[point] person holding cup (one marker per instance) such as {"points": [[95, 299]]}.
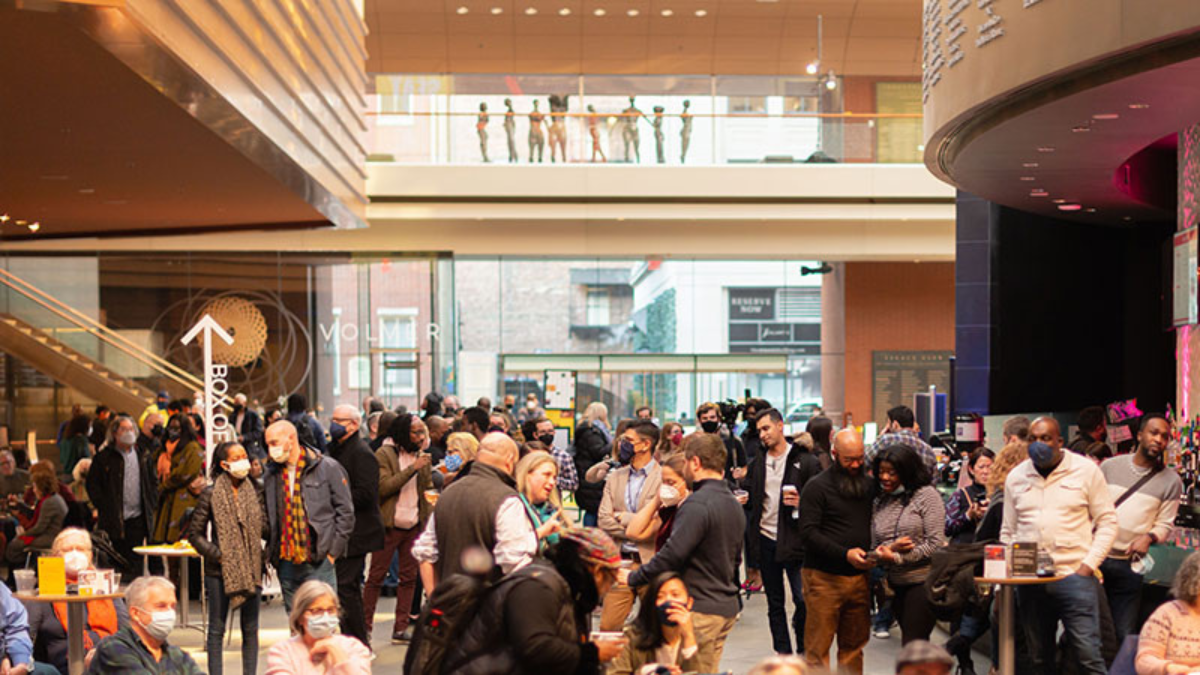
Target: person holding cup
{"points": [[662, 634], [775, 479]]}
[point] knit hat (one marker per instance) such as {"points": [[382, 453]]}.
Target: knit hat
{"points": [[923, 651], [595, 546]]}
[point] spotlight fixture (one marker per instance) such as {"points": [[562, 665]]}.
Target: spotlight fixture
{"points": [[600, 11], [1138, 106], [565, 11], [1070, 207], [22, 223], [1059, 201], [3, 217], [462, 10], [668, 12], [831, 80], [530, 11], [1106, 116], [35, 226], [825, 268], [497, 10], [1038, 192], [1081, 129], [812, 68], [632, 12], [702, 13], [1090, 209]]}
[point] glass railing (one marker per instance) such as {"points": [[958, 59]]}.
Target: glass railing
{"points": [[646, 136]]}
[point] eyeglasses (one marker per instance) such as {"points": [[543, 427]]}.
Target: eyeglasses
{"points": [[321, 611]]}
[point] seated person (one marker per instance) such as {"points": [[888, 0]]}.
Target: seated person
{"points": [[662, 634], [1168, 643], [316, 646], [921, 657], [780, 665], [47, 622], [42, 522], [141, 646], [13, 481], [15, 645]]}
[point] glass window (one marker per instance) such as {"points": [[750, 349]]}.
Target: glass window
{"points": [[598, 307], [747, 104]]}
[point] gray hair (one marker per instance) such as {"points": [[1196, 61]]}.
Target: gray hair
{"points": [[775, 664], [1187, 580], [373, 420], [68, 533], [5, 452], [139, 590], [351, 412], [110, 438], [308, 593]]}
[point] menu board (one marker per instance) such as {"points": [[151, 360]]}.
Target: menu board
{"points": [[896, 376], [560, 390]]}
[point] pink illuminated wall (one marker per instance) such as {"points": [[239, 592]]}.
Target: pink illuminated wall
{"points": [[1187, 339]]}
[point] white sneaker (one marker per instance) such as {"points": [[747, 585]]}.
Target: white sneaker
{"points": [[882, 634]]}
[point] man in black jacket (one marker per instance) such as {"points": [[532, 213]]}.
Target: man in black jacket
{"points": [[835, 527], [249, 428], [591, 447], [352, 452], [121, 486], [776, 478], [705, 548]]}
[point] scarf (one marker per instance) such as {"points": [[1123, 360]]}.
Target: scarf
{"points": [[101, 620], [294, 542], [37, 513], [407, 510], [164, 460], [238, 522]]}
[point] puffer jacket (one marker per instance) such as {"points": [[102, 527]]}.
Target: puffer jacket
{"points": [[526, 625], [590, 448]]}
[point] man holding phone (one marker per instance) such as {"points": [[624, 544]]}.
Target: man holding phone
{"points": [[776, 477]]}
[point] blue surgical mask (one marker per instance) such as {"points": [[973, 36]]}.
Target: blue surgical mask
{"points": [[625, 451], [1041, 454], [336, 431], [453, 462]]}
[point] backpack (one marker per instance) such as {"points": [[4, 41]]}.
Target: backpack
{"points": [[950, 586], [448, 611]]}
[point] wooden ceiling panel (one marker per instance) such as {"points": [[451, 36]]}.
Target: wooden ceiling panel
{"points": [[619, 25], [747, 26], [411, 23], [885, 28], [549, 48], [614, 47], [745, 67], [562, 65], [617, 66]]}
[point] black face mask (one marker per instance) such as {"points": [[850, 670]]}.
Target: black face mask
{"points": [[710, 427], [172, 434], [547, 440], [496, 427], [662, 614], [156, 431]]}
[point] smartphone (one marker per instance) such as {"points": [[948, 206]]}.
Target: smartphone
{"points": [[872, 557]]}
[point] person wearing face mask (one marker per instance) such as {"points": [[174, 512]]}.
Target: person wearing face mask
{"points": [[592, 442], [48, 621], [662, 634], [568, 479], [669, 440], [142, 647], [315, 647], [309, 510], [532, 409], [656, 518], [348, 447], [777, 475], [709, 417], [404, 474], [150, 436], [232, 509], [461, 449], [908, 524], [1061, 501], [124, 492], [248, 426], [626, 491], [178, 465]]}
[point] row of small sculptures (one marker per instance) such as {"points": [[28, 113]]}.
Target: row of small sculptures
{"points": [[558, 131]]}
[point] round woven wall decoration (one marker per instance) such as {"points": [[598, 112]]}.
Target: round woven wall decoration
{"points": [[244, 323]]}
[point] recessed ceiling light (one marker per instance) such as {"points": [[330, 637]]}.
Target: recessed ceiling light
{"points": [[668, 12], [1028, 178], [3, 217], [632, 12], [1059, 201], [1038, 192], [1070, 207], [1030, 165], [1106, 116], [1138, 106], [462, 10], [22, 222], [1082, 128], [1090, 209], [34, 227], [600, 11], [1127, 218], [1046, 148], [565, 11], [56, 177], [497, 10], [702, 12], [87, 191], [530, 11]]}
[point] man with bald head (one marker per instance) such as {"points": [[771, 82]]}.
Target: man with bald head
{"points": [[248, 425], [309, 509], [481, 510], [439, 428], [1060, 501], [350, 449], [835, 527]]}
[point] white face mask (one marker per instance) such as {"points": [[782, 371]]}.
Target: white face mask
{"points": [[160, 624], [239, 468], [278, 453], [127, 438], [322, 626], [75, 562], [668, 495]]}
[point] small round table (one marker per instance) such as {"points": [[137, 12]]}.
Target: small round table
{"points": [[75, 650], [184, 591], [1007, 650]]}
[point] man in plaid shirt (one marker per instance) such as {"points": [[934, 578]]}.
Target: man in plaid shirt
{"points": [[902, 430], [568, 477]]}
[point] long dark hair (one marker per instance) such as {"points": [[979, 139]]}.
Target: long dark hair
{"points": [[77, 426], [907, 464], [221, 454], [647, 626], [566, 558], [187, 432], [400, 431], [821, 429]]}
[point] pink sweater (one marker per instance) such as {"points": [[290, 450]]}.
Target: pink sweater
{"points": [[1171, 636], [290, 657]]}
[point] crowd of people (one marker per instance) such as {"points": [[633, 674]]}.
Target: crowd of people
{"points": [[629, 549]]}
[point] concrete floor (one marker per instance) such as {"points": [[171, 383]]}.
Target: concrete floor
{"points": [[749, 642]]}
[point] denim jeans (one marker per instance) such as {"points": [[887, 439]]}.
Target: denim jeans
{"points": [[292, 576], [882, 618], [218, 608], [1074, 601], [773, 574], [1124, 589]]}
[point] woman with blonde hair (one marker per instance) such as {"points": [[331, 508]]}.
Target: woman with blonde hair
{"points": [[537, 475], [461, 449], [593, 443]]}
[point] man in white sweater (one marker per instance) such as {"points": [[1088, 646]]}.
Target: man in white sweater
{"points": [[1147, 499], [1060, 500]]}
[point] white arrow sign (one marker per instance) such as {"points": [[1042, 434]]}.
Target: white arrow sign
{"points": [[210, 327]]}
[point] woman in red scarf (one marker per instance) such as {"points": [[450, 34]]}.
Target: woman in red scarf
{"points": [[47, 622], [42, 522]]}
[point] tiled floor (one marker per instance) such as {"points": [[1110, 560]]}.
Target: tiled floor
{"points": [[749, 642]]}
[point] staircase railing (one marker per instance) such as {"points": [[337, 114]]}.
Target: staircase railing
{"points": [[103, 333]]}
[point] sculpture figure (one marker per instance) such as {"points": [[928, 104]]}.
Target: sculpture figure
{"points": [[657, 123], [558, 126], [537, 138], [685, 134], [481, 123], [629, 133], [594, 130], [510, 130]]}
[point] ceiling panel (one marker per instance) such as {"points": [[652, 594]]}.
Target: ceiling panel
{"points": [[861, 37]]}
